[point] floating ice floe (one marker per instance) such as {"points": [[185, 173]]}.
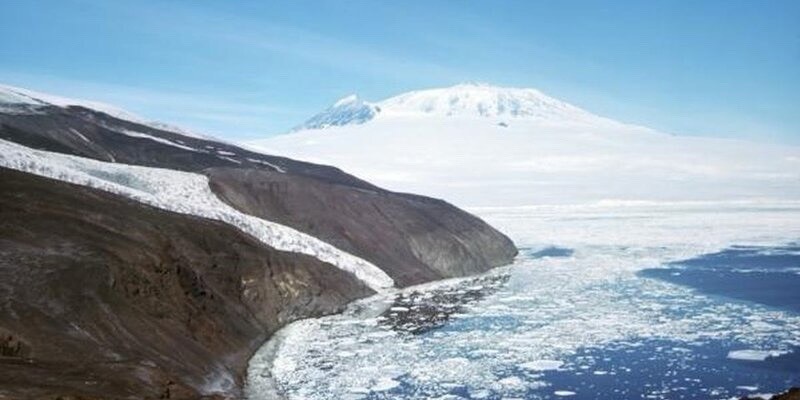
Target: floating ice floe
{"points": [[564, 393], [755, 355], [542, 365]]}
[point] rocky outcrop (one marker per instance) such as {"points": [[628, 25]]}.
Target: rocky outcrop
{"points": [[103, 297], [414, 239], [791, 394]]}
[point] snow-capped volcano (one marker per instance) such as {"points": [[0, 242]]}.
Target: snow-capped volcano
{"points": [[469, 100], [479, 145]]}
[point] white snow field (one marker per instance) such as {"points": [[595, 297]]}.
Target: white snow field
{"points": [[552, 308], [185, 193], [480, 145]]}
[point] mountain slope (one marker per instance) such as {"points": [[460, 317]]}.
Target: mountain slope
{"points": [[479, 145], [347, 111], [104, 297], [414, 239], [184, 193]]}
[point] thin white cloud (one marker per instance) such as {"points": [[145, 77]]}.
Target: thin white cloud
{"points": [[273, 37]]}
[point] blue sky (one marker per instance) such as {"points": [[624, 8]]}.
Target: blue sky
{"points": [[248, 69]]}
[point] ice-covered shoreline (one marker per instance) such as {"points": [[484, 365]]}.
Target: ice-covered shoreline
{"points": [[261, 383], [609, 245]]}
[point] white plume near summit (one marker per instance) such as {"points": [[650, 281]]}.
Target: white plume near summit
{"points": [[479, 145]]}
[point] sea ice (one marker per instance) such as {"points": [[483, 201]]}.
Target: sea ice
{"points": [[542, 365], [564, 393], [552, 307], [754, 355]]}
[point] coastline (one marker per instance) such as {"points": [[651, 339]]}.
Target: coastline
{"points": [[262, 361], [285, 370], [265, 357], [259, 379]]}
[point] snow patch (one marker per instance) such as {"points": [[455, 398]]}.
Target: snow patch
{"points": [[267, 163], [141, 135], [80, 135], [233, 160]]}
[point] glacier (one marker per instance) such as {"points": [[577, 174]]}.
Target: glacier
{"points": [[185, 193]]}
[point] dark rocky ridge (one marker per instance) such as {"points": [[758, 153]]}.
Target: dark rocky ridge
{"points": [[414, 238], [103, 297], [63, 130], [418, 312]]}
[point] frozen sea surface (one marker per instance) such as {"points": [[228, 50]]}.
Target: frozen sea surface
{"points": [[574, 317]]}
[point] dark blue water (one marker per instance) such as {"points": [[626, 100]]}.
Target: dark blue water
{"points": [[765, 275], [661, 369], [668, 370], [647, 370]]}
